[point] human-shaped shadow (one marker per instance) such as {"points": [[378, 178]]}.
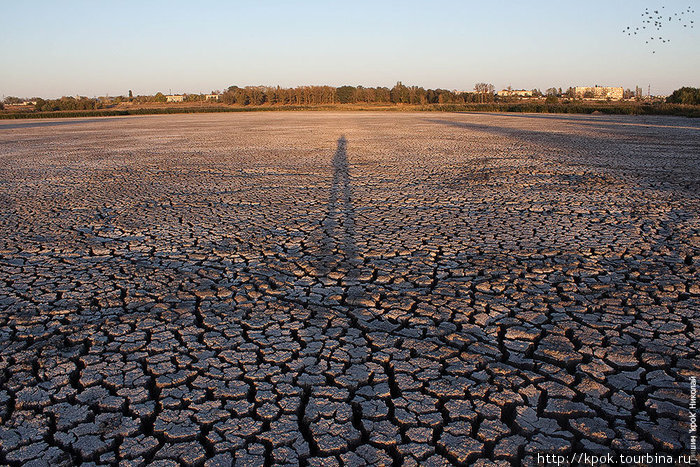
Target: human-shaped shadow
{"points": [[338, 246]]}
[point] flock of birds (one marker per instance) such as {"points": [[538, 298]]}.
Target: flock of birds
{"points": [[658, 19]]}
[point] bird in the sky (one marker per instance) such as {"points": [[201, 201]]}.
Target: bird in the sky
{"points": [[658, 19]]}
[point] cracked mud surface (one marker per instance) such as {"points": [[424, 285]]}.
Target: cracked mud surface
{"points": [[346, 289]]}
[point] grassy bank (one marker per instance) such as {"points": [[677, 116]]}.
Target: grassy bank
{"points": [[529, 107]]}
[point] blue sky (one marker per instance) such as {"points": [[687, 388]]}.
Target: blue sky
{"points": [[50, 48]]}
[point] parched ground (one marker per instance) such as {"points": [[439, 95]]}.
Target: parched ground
{"points": [[346, 288]]}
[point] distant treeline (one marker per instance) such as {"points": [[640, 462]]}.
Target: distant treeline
{"points": [[320, 95], [67, 103], [267, 95], [683, 101], [632, 108]]}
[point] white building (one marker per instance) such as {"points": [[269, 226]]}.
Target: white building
{"points": [[514, 92], [599, 92]]}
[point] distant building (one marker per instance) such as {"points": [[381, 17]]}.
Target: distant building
{"points": [[212, 97], [599, 92], [175, 98], [514, 93]]}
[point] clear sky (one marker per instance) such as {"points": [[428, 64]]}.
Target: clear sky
{"points": [[52, 48]]}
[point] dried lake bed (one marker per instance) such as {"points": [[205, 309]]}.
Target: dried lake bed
{"points": [[347, 288]]}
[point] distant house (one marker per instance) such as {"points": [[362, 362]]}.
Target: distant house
{"points": [[514, 93], [175, 98], [212, 97], [599, 92]]}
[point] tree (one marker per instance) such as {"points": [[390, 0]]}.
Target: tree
{"points": [[131, 94], [256, 95], [552, 92], [485, 91], [229, 96], [242, 97], [685, 95], [345, 94], [10, 100], [160, 97], [444, 97], [400, 94]]}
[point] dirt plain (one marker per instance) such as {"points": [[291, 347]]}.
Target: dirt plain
{"points": [[346, 288]]}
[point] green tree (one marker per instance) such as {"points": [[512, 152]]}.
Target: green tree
{"points": [[256, 95], [229, 96], [400, 94], [242, 97], [67, 103], [345, 94], [41, 104], [685, 95], [444, 96], [159, 97]]}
